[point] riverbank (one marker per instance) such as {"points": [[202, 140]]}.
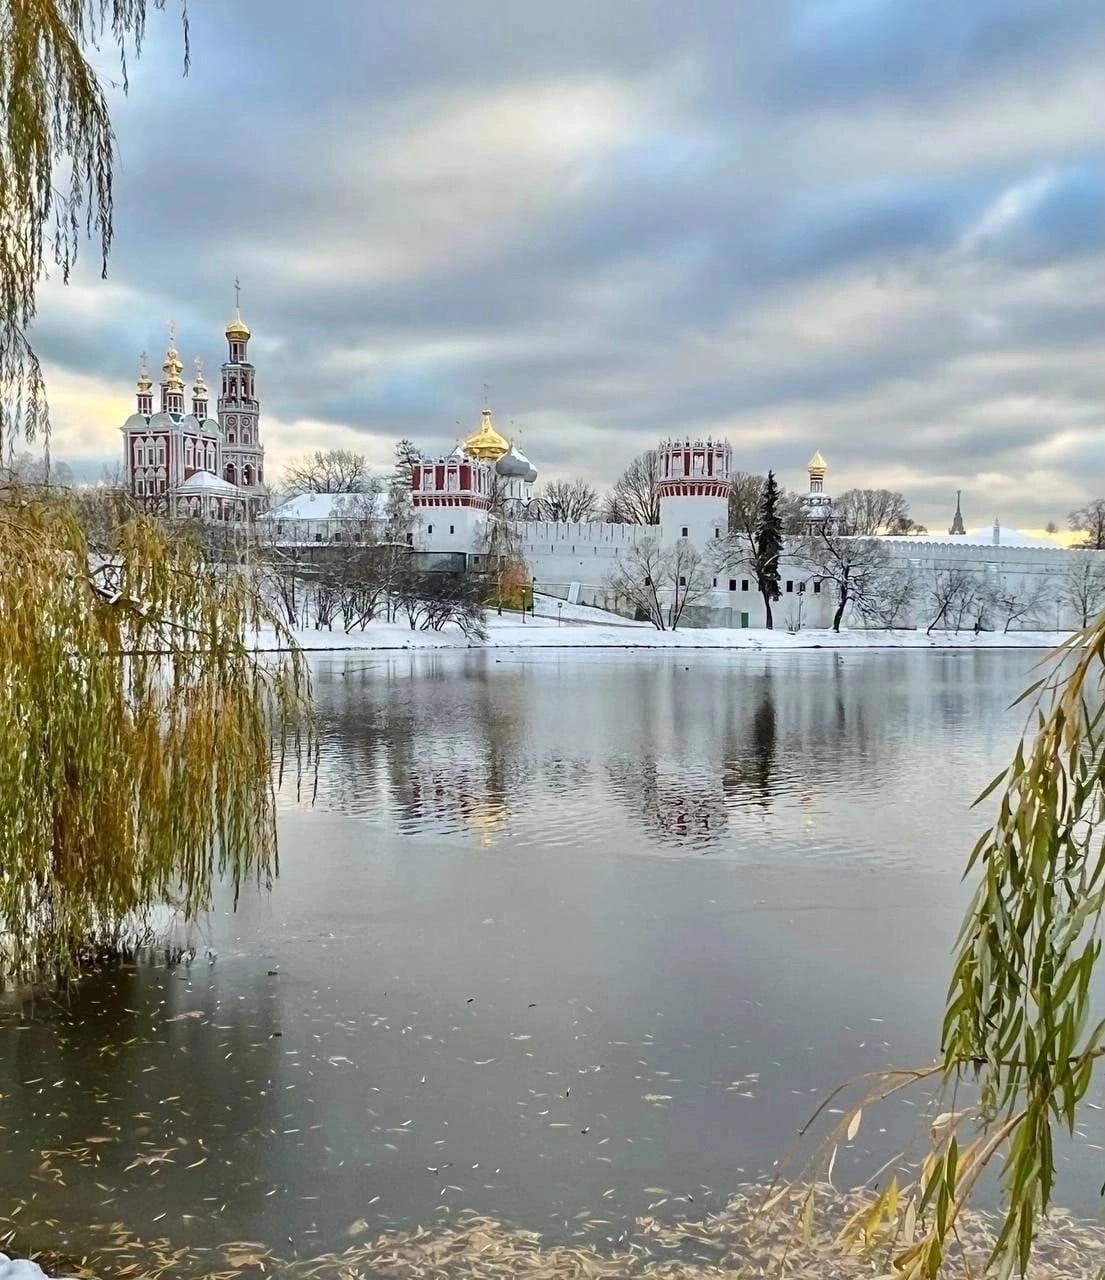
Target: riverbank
{"points": [[570, 633]]}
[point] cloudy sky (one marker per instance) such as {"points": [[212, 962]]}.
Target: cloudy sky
{"points": [[871, 227]]}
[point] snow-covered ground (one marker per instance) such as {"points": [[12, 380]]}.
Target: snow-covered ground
{"points": [[19, 1269], [579, 627]]}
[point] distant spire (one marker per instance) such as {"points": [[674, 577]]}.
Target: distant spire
{"points": [[957, 520]]}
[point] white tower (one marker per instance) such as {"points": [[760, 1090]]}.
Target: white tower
{"points": [[817, 506], [694, 491]]}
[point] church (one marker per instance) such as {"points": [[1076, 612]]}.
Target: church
{"points": [[183, 462]]}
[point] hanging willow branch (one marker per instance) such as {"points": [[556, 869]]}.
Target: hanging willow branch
{"points": [[139, 732], [57, 153], [1017, 1032]]}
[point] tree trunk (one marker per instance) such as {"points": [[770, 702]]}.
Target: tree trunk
{"points": [[841, 606], [767, 614]]}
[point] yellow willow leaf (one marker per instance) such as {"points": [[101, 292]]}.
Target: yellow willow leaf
{"points": [[854, 1123]]}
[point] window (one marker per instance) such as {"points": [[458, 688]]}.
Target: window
{"points": [[732, 584], [682, 581], [475, 559], [715, 582], [161, 486], [452, 528], [817, 586], [684, 531], [744, 584], [427, 478], [160, 455], [318, 537], [429, 528], [698, 465], [410, 539], [717, 533], [140, 487], [790, 585]]}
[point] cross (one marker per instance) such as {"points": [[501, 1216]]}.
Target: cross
{"points": [[486, 393], [198, 362], [143, 364], [172, 333], [237, 294]]}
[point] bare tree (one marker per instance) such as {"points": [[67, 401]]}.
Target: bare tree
{"points": [[1089, 523], [905, 527], [635, 497], [954, 595], [1051, 527], [1082, 588], [746, 490], [327, 471], [567, 500], [866, 512], [659, 583], [859, 568], [689, 578], [1019, 598]]}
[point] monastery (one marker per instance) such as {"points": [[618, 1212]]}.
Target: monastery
{"points": [[188, 464]]}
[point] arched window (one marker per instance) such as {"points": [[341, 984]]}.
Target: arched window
{"points": [[247, 476], [231, 473]]}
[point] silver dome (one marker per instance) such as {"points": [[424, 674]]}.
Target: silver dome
{"points": [[513, 465]]}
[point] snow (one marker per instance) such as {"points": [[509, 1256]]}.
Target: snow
{"points": [[509, 632], [19, 1269], [328, 506], [206, 482]]}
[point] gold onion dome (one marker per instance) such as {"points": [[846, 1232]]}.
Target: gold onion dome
{"points": [[172, 368], [485, 442], [817, 465], [237, 328], [199, 386], [145, 382]]}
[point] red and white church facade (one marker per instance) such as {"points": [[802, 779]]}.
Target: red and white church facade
{"points": [[179, 460]]}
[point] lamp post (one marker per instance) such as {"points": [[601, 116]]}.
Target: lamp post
{"points": [[533, 597], [559, 611]]}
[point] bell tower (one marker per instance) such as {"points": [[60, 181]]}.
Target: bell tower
{"points": [[240, 411]]}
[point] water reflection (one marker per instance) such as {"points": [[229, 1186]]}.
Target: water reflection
{"points": [[408, 1025], [723, 755]]}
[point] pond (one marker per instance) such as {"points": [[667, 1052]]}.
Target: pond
{"points": [[559, 937]]}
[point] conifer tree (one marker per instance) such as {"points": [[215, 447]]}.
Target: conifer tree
{"points": [[767, 546]]}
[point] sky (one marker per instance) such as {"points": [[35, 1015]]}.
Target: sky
{"points": [[875, 228]]}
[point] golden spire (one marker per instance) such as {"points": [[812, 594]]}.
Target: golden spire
{"points": [[199, 387], [237, 329], [172, 368], [817, 465], [145, 382], [485, 442]]}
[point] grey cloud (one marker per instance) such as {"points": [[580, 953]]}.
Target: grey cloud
{"points": [[689, 270]]}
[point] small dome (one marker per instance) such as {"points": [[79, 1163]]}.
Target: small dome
{"points": [[513, 465], [816, 465], [210, 427], [237, 329], [531, 474], [162, 421], [136, 422]]}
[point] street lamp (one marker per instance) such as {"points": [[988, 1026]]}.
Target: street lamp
{"points": [[533, 597], [559, 611]]}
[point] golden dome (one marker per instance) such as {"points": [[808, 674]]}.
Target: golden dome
{"points": [[817, 465], [199, 387], [145, 382], [237, 328], [485, 442], [172, 368]]}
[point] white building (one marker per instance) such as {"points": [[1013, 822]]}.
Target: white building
{"points": [[187, 463]]}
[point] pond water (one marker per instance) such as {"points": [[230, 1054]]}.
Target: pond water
{"points": [[558, 933]]}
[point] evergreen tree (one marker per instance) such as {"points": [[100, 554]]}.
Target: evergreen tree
{"points": [[767, 545]]}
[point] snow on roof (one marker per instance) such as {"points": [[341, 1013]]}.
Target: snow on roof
{"points": [[988, 536], [330, 506], [205, 482]]}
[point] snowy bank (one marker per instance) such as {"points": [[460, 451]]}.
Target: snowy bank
{"points": [[19, 1269], [569, 633]]}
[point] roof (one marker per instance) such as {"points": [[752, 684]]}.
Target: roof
{"points": [[985, 537], [330, 506], [206, 482]]}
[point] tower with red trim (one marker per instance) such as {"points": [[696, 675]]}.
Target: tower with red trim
{"points": [[694, 490], [451, 498], [243, 455]]}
